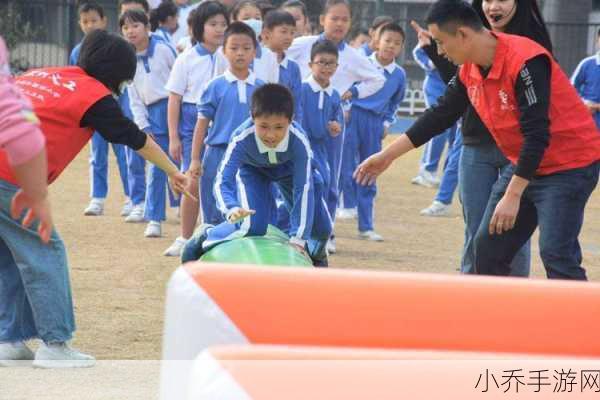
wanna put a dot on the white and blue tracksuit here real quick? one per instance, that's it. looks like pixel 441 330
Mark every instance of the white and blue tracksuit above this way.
pixel 368 119
pixel 165 35
pixel 265 65
pixel 148 99
pixel 366 50
pixel 354 73
pixel 244 180
pixel 99 155
pixel 225 102
pixel 586 80
pixel 433 87
pixel 192 71
pixel 136 164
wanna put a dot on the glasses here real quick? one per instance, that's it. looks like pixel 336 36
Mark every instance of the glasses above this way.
pixel 324 64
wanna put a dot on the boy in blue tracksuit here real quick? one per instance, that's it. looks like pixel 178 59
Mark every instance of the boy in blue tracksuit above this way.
pixel 268 148
pixel 91 17
pixel 371 116
pixel 586 80
pixel 226 103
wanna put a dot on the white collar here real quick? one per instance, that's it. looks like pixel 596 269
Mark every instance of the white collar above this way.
pixel 280 148
pixel 391 67
pixel 251 79
pixel 316 87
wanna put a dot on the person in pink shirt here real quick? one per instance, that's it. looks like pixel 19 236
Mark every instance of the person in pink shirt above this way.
pixel 24 144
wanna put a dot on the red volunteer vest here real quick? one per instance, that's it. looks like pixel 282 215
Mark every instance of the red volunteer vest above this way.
pixel 60 98
pixel 574 137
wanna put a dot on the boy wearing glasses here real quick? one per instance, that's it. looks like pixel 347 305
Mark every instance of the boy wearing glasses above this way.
pixel 322 114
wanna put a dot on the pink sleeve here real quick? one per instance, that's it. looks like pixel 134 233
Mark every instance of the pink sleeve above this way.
pixel 20 135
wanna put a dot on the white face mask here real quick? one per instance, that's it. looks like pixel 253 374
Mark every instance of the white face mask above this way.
pixel 255 24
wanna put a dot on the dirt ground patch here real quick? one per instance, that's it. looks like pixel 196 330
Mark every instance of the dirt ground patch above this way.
pixel 119 276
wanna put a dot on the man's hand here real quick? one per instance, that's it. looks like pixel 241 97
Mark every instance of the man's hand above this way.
pixel 238 214
pixel 179 184
pixel 423 35
pixel 505 214
pixel 175 149
pixel 35 210
pixel 334 128
pixel 368 171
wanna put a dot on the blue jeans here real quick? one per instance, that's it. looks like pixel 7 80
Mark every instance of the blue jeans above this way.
pixel 555 203
pixel 35 293
pixel 450 177
pixel 479 168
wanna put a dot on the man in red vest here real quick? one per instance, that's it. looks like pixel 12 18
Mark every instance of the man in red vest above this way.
pixel 70 103
pixel 539 123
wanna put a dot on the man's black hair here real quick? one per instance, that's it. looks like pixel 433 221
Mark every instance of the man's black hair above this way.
pixel 277 18
pixel 133 16
pixel 323 46
pixel 160 14
pixel 108 58
pixel 239 28
pixel 203 13
pixel 392 27
pixel 448 15
pixel 89 6
pixel 143 3
pixel 272 99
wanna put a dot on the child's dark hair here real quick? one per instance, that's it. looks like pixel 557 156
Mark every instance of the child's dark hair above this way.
pixel 357 32
pixel 238 6
pixel 323 46
pixel 108 58
pixel 160 14
pixel 272 99
pixel 448 15
pixel 143 3
pixel 379 21
pixel 296 4
pixel 265 7
pixel 239 28
pixel 277 18
pixel 332 3
pixel 392 27
pixel 89 6
pixel 133 16
pixel 203 13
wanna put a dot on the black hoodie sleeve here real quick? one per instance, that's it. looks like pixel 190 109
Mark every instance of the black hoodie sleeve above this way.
pixel 106 117
pixel 446 69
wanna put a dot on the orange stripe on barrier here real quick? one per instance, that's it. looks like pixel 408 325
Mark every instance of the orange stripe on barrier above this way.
pixel 297 306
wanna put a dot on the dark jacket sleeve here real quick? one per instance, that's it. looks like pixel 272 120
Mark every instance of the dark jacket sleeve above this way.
pixel 532 90
pixel 436 119
pixel 106 118
pixel 446 69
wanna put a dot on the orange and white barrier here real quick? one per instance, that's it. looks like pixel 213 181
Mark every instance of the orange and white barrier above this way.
pixel 216 304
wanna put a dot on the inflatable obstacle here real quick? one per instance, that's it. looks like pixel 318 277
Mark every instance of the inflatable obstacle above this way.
pixel 270 249
pixel 212 304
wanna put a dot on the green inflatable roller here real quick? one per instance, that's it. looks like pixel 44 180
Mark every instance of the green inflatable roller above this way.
pixel 271 249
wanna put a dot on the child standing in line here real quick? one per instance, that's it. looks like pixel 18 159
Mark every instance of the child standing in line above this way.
pixel 370 46
pixel 163 20
pixel 353 67
pixel 91 17
pixel 192 71
pixel 359 37
pixel 226 103
pixel 298 10
pixel 148 97
pixel 268 148
pixel 370 117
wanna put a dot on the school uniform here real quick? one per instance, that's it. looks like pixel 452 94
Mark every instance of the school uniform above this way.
pixel 368 119
pixel 136 164
pixel 165 35
pixel 352 68
pixel 225 102
pixel 244 179
pixel 99 155
pixel 366 50
pixel 192 71
pixel 265 65
pixel 586 80
pixel 148 100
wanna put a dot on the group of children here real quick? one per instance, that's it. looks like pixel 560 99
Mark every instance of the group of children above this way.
pixel 203 104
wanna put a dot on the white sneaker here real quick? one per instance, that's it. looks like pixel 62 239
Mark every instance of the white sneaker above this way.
pixel 175 249
pixel 370 235
pixel 153 229
pixel 61 355
pixel 436 209
pixel 95 208
pixel 136 214
pixel 331 246
pixel 346 213
pixel 426 179
pixel 127 207
pixel 15 354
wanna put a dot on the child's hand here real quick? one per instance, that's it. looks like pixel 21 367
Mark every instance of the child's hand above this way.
pixel 347 95
pixel 334 128
pixel 175 149
pixel 238 214
pixel 195 169
pixel 35 210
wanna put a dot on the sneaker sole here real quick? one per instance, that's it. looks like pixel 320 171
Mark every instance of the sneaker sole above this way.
pixel 15 363
pixel 369 239
pixel 58 364
pixel 92 214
